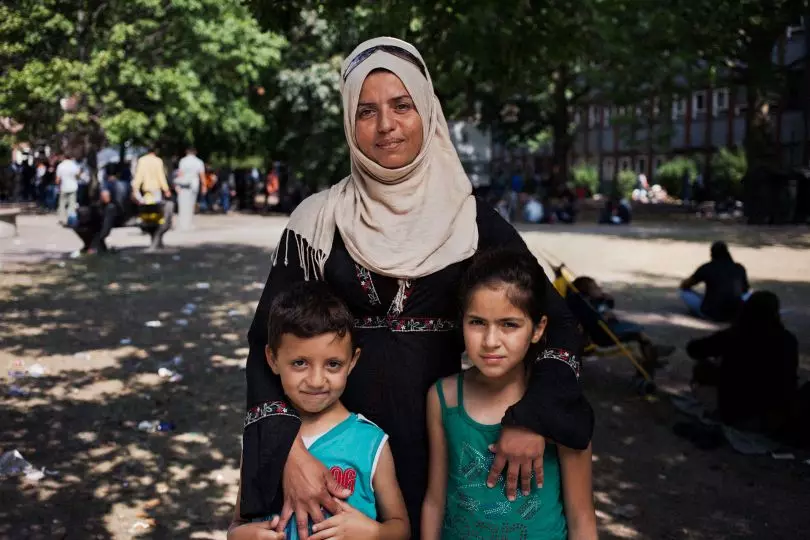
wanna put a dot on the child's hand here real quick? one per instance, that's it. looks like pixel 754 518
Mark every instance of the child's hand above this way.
pixel 347 525
pixel 256 531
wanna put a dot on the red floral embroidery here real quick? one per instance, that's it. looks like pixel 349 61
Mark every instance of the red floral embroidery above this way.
pixel 406 324
pixel 270 408
pixel 364 276
pixel 563 356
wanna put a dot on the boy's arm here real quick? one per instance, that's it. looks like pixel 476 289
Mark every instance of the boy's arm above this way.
pixel 433 507
pixel 390 503
pixel 575 469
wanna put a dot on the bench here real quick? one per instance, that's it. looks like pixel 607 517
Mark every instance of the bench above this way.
pixel 9 215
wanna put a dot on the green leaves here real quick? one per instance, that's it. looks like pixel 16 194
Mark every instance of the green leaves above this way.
pixel 142 70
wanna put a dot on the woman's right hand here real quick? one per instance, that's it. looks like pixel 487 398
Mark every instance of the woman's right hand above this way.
pixel 308 487
pixel 256 531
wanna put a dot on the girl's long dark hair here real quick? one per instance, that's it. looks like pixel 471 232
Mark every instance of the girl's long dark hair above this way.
pixel 517 269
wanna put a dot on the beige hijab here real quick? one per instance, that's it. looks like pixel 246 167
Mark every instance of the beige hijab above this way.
pixel 404 223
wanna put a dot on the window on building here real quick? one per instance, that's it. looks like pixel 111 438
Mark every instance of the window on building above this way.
pixel 795 28
pixel 720 100
pixel 606 112
pixel 698 103
pixel 592 113
pixel 659 161
pixel 625 164
pixel 641 165
pixel 608 169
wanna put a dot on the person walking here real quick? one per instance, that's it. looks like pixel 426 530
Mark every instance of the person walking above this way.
pixel 190 182
pixel 67 179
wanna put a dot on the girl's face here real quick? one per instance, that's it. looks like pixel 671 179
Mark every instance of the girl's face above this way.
pixel 497 335
pixel 388 128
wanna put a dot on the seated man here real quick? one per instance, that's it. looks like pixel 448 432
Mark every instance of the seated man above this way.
pixel 592 305
pixel 96 220
pixel 726 286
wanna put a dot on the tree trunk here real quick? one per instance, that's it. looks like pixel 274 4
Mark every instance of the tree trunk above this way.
pixel 560 124
pixel 806 111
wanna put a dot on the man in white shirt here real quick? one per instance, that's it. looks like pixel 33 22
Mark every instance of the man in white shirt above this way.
pixel 67 178
pixel 189 182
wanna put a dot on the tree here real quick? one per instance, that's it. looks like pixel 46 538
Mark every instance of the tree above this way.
pixel 143 70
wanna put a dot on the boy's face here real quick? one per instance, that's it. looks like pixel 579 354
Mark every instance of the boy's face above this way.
pixel 313 370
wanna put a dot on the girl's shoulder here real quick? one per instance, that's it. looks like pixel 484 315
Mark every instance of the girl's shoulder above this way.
pixel 447 389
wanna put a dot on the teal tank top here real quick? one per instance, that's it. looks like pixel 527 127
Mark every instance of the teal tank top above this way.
pixel 350 451
pixel 474 511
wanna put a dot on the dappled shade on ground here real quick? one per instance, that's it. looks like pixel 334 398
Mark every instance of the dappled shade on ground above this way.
pixel 81 418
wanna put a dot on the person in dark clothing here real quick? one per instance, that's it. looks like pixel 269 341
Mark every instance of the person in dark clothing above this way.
pixel 615 212
pixel 726 286
pixel 753 364
pixel 593 304
pixel 393 239
pixel 96 220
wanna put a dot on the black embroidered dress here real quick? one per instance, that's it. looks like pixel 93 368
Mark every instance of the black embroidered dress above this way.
pixel 410 337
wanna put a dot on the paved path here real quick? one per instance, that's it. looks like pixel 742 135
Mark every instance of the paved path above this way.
pixel 84 319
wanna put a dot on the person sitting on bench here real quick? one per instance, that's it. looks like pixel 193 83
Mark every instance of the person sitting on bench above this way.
pixel 111 209
pixel 593 304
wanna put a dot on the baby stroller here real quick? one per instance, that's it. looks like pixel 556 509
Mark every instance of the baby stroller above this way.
pixel 596 325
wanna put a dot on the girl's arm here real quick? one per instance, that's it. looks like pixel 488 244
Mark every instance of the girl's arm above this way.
pixel 394 523
pixel 575 468
pixel 433 507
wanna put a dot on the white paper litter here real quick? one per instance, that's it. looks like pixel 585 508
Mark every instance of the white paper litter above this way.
pixel 37 370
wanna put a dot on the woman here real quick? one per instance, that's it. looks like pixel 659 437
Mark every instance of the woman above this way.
pixel 726 286
pixel 393 239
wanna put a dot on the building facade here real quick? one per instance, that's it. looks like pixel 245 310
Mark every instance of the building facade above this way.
pixel 613 138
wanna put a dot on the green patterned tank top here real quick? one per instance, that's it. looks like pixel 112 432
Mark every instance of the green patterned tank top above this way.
pixel 474 511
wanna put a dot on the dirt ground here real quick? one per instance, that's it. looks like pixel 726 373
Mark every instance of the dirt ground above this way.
pixel 84 321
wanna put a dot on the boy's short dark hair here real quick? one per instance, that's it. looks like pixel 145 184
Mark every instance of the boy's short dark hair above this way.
pixel 305 310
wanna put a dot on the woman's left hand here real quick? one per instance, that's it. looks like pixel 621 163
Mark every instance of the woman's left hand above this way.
pixel 520 451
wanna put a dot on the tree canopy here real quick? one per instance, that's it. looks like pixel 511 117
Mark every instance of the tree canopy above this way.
pixel 261 78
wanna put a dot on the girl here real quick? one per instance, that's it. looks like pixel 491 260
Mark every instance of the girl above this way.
pixel 503 298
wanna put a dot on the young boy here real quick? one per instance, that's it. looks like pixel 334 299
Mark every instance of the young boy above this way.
pixel 310 347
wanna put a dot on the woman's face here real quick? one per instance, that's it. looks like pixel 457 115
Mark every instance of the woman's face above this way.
pixel 388 128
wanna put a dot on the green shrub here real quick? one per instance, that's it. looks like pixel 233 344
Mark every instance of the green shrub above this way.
pixel 670 175
pixel 728 168
pixel 586 176
pixel 626 182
